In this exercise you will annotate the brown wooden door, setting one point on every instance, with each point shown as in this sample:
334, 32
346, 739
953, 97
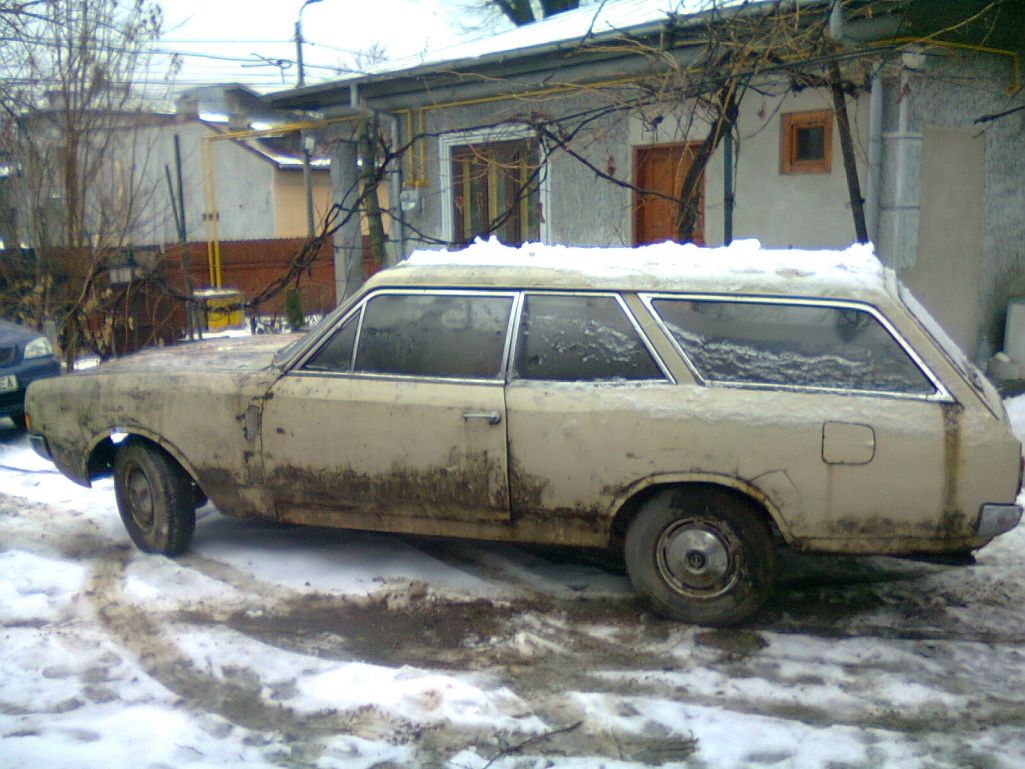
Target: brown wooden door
660, 168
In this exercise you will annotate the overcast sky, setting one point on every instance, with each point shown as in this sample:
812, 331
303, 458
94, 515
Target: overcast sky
238, 41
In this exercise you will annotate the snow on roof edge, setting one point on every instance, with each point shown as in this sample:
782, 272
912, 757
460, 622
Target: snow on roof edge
854, 267
592, 21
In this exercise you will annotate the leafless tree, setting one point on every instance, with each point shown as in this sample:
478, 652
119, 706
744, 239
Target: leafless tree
71, 92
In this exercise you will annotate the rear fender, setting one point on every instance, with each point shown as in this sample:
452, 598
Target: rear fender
679, 479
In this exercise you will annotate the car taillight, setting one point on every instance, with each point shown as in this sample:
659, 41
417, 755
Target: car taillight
28, 428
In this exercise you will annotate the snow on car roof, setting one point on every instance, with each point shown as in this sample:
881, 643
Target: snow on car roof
744, 265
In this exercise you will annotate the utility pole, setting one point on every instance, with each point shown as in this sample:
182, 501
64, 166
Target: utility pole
308, 145
301, 81
183, 240
305, 140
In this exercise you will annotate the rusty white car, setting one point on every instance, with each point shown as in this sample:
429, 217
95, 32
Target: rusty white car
691, 408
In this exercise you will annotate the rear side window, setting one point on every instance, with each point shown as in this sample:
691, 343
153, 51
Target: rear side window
435, 335
790, 345
573, 338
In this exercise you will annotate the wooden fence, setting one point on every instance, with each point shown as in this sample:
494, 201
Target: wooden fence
150, 310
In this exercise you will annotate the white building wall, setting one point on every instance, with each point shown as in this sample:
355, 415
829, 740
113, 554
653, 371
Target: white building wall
780, 210
242, 179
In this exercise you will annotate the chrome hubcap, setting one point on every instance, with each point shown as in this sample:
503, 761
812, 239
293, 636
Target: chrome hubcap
694, 558
140, 497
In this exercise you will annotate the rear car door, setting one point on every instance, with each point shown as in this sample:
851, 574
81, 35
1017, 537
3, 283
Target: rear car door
584, 388
399, 413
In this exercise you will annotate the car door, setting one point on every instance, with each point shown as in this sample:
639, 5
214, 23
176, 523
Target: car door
582, 396
399, 413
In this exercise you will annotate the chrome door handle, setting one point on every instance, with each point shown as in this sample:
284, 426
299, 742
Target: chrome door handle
493, 417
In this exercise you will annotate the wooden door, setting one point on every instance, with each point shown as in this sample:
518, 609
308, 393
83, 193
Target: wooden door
660, 168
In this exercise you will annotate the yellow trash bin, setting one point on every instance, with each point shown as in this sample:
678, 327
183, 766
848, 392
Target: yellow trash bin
221, 308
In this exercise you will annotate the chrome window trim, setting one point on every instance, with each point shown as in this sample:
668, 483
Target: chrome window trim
366, 375
940, 394
360, 307
514, 331
667, 376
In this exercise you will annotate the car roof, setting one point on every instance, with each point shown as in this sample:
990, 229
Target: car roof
741, 268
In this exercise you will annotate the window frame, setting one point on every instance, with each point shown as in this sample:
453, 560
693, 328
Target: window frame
667, 375
500, 375
447, 142
940, 394
356, 316
790, 123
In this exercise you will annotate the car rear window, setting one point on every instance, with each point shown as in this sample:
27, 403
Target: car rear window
790, 345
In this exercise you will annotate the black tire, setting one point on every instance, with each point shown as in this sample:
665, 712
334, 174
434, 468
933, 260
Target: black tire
199, 498
155, 498
701, 555
18, 417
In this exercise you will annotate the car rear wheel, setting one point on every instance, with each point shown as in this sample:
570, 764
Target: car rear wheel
701, 555
155, 498
18, 417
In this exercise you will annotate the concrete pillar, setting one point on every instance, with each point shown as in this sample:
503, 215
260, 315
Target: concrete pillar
947, 274
348, 240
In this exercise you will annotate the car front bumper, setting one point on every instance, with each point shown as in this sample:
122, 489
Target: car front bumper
26, 372
40, 446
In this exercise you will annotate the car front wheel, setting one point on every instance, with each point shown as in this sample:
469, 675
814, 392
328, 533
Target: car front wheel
701, 555
155, 498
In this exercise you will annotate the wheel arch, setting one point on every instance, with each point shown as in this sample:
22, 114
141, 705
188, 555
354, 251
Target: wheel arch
630, 502
99, 459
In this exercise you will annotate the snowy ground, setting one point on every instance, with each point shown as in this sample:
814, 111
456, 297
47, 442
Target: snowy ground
290, 647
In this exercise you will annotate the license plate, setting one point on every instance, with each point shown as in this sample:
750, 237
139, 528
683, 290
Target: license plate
8, 383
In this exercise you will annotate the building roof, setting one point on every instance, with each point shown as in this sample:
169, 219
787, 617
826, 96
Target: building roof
595, 42
279, 146
592, 22
587, 30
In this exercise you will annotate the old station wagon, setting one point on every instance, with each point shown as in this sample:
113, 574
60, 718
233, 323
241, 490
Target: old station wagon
693, 408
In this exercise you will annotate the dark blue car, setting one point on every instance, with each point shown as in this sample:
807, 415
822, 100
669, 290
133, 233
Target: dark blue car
24, 357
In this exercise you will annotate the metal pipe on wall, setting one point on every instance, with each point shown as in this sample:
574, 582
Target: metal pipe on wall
875, 158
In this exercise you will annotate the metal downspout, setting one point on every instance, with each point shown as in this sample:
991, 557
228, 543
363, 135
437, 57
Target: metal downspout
397, 240
875, 158
727, 172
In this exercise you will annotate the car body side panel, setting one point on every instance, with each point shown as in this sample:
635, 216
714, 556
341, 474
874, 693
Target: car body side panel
198, 418
574, 452
387, 447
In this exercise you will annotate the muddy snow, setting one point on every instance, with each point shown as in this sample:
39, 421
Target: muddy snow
272, 646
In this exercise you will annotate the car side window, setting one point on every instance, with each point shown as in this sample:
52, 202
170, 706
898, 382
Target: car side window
336, 355
573, 338
793, 345
436, 335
